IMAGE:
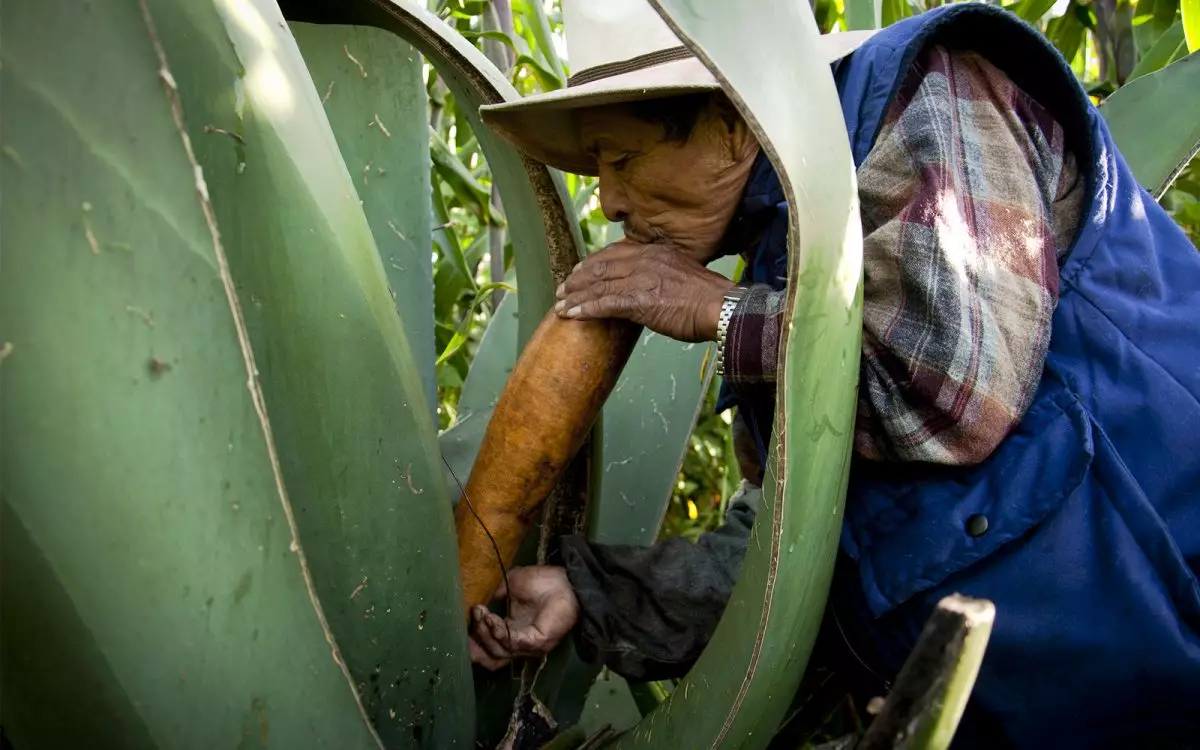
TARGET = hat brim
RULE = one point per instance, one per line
(543, 125)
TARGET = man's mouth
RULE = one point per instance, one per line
(645, 237)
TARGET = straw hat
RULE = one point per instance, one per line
(621, 51)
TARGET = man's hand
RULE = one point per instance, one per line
(542, 610)
(655, 285)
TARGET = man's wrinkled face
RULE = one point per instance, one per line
(668, 192)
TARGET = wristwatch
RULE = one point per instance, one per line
(728, 305)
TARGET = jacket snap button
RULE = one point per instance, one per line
(977, 525)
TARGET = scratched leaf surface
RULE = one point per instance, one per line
(149, 595)
(153, 594)
(379, 120)
(740, 688)
(545, 237)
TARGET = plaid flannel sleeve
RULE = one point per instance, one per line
(968, 199)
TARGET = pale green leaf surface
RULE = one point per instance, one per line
(737, 692)
(380, 124)
(355, 433)
(150, 598)
(1155, 122)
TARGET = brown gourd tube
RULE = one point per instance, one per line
(553, 397)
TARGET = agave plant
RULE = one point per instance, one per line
(226, 509)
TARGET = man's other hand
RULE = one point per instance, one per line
(542, 610)
(655, 285)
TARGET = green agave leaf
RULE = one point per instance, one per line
(183, 473)
(609, 703)
(864, 14)
(1155, 121)
(741, 686)
(544, 235)
(371, 84)
(356, 436)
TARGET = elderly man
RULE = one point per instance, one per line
(1028, 427)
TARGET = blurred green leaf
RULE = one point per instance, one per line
(547, 80)
(1066, 33)
(1190, 11)
(1032, 10)
(864, 14)
(894, 10)
(539, 27)
(1170, 46)
(456, 174)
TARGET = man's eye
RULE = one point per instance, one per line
(621, 162)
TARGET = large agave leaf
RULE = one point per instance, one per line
(738, 691)
(545, 238)
(356, 437)
(205, 368)
(374, 96)
(1155, 121)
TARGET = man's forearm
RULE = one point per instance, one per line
(648, 612)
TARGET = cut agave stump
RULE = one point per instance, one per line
(565, 374)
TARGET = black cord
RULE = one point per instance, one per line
(495, 548)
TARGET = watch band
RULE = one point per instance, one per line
(728, 305)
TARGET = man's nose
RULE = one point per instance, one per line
(613, 200)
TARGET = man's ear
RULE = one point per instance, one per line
(742, 143)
